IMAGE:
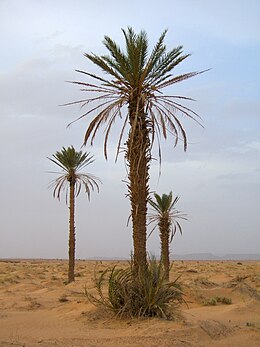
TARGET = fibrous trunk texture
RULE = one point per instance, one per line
(164, 227)
(138, 157)
(72, 238)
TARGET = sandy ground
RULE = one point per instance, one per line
(38, 309)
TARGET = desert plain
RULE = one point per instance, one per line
(38, 308)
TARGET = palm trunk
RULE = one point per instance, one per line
(165, 249)
(72, 238)
(138, 157)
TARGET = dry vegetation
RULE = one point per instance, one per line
(37, 308)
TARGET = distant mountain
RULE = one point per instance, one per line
(210, 256)
(195, 256)
(241, 257)
(107, 258)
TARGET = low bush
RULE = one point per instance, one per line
(146, 294)
(210, 302)
(218, 299)
(224, 300)
(63, 298)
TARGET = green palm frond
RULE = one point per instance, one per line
(134, 74)
(71, 162)
(164, 208)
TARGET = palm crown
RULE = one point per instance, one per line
(165, 208)
(137, 77)
(71, 161)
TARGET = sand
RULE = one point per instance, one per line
(38, 309)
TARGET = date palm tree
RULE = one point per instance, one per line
(166, 216)
(71, 180)
(132, 91)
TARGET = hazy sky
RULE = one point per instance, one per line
(217, 179)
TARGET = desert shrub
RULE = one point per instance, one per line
(239, 278)
(146, 294)
(224, 300)
(211, 302)
(204, 282)
(33, 304)
(218, 299)
(5, 278)
(63, 298)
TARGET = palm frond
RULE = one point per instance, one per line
(164, 209)
(133, 74)
(71, 162)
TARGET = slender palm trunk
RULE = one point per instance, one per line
(165, 249)
(138, 157)
(72, 238)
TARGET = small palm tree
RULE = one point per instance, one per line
(132, 90)
(71, 181)
(166, 216)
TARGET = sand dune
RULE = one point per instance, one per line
(38, 309)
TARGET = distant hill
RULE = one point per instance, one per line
(106, 258)
(195, 256)
(210, 256)
(241, 257)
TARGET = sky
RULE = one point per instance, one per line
(217, 179)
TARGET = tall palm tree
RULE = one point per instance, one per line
(166, 216)
(132, 91)
(71, 180)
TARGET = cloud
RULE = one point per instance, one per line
(229, 21)
(251, 147)
(37, 86)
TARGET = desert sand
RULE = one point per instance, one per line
(38, 309)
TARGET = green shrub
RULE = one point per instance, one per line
(146, 294)
(211, 302)
(224, 300)
(218, 299)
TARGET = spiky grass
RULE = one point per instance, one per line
(146, 294)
